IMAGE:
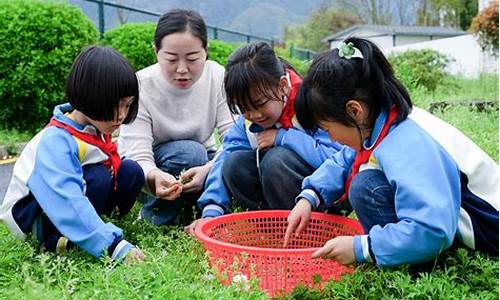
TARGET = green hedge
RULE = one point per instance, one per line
(135, 42)
(420, 68)
(39, 41)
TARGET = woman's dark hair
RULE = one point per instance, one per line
(179, 21)
(332, 81)
(255, 67)
(99, 78)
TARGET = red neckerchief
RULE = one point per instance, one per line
(364, 155)
(106, 145)
(289, 110)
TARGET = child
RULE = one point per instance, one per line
(70, 172)
(266, 154)
(417, 183)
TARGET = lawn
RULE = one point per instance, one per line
(176, 266)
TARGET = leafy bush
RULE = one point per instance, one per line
(39, 42)
(219, 51)
(420, 68)
(485, 26)
(135, 42)
(299, 65)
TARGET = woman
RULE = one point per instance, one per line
(181, 104)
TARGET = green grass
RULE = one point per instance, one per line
(176, 266)
(456, 89)
(10, 137)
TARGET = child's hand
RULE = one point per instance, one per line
(266, 138)
(134, 256)
(340, 249)
(166, 186)
(298, 219)
(193, 179)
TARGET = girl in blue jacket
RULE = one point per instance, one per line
(417, 184)
(266, 153)
(70, 173)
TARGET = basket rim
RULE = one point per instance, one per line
(210, 222)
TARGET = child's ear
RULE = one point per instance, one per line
(284, 84)
(356, 110)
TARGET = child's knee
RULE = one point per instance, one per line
(276, 159)
(98, 178)
(280, 162)
(131, 173)
(232, 166)
(370, 187)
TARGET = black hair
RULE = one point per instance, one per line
(332, 81)
(99, 78)
(253, 66)
(179, 21)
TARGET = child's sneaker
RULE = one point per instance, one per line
(56, 244)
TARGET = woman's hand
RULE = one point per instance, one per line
(164, 185)
(298, 219)
(134, 256)
(193, 179)
(191, 227)
(266, 138)
(340, 249)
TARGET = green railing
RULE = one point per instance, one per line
(213, 32)
(301, 53)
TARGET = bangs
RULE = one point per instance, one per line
(311, 108)
(99, 79)
(243, 80)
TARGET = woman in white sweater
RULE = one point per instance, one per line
(182, 102)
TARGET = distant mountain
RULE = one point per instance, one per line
(255, 17)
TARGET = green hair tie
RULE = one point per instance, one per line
(346, 50)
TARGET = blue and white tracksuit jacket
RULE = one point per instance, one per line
(445, 186)
(50, 167)
(313, 149)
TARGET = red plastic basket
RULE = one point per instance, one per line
(250, 245)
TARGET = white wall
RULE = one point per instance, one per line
(381, 41)
(411, 39)
(469, 59)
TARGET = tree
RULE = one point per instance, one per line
(450, 13)
(322, 22)
(485, 26)
(370, 11)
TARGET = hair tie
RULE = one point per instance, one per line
(348, 50)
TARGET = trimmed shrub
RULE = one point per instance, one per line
(420, 68)
(219, 51)
(39, 42)
(135, 42)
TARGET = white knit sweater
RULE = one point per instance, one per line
(167, 113)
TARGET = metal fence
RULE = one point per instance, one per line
(301, 53)
(216, 33)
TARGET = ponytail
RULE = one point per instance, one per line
(333, 80)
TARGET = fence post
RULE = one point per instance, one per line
(216, 33)
(248, 39)
(272, 43)
(291, 50)
(101, 18)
